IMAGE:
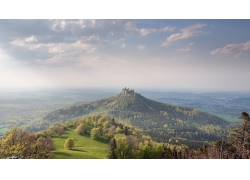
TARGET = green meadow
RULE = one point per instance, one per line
(85, 147)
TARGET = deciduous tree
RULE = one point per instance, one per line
(94, 134)
(81, 129)
(69, 143)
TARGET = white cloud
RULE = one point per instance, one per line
(183, 49)
(43, 39)
(18, 42)
(141, 47)
(30, 39)
(190, 44)
(58, 24)
(185, 33)
(167, 28)
(145, 31)
(130, 26)
(61, 25)
(63, 38)
(55, 53)
(119, 40)
(56, 47)
(123, 45)
(232, 48)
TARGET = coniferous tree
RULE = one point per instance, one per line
(112, 147)
(240, 137)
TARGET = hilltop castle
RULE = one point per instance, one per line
(127, 91)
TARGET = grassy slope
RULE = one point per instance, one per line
(85, 148)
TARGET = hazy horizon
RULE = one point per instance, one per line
(118, 90)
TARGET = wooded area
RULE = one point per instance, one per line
(125, 141)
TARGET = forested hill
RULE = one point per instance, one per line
(167, 123)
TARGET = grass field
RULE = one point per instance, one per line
(85, 148)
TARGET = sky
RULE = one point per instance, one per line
(184, 54)
(163, 53)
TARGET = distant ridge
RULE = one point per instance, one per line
(166, 123)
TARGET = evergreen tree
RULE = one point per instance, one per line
(112, 147)
(240, 137)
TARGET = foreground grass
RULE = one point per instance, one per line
(85, 148)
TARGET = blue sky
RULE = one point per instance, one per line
(147, 53)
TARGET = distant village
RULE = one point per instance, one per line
(127, 91)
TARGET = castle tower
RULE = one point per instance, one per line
(127, 91)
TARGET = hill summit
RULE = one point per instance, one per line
(164, 122)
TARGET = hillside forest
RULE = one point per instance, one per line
(123, 141)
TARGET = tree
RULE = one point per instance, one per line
(69, 143)
(125, 131)
(112, 146)
(146, 152)
(112, 121)
(94, 134)
(60, 131)
(224, 149)
(81, 129)
(125, 146)
(240, 137)
(118, 130)
(202, 151)
(46, 143)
